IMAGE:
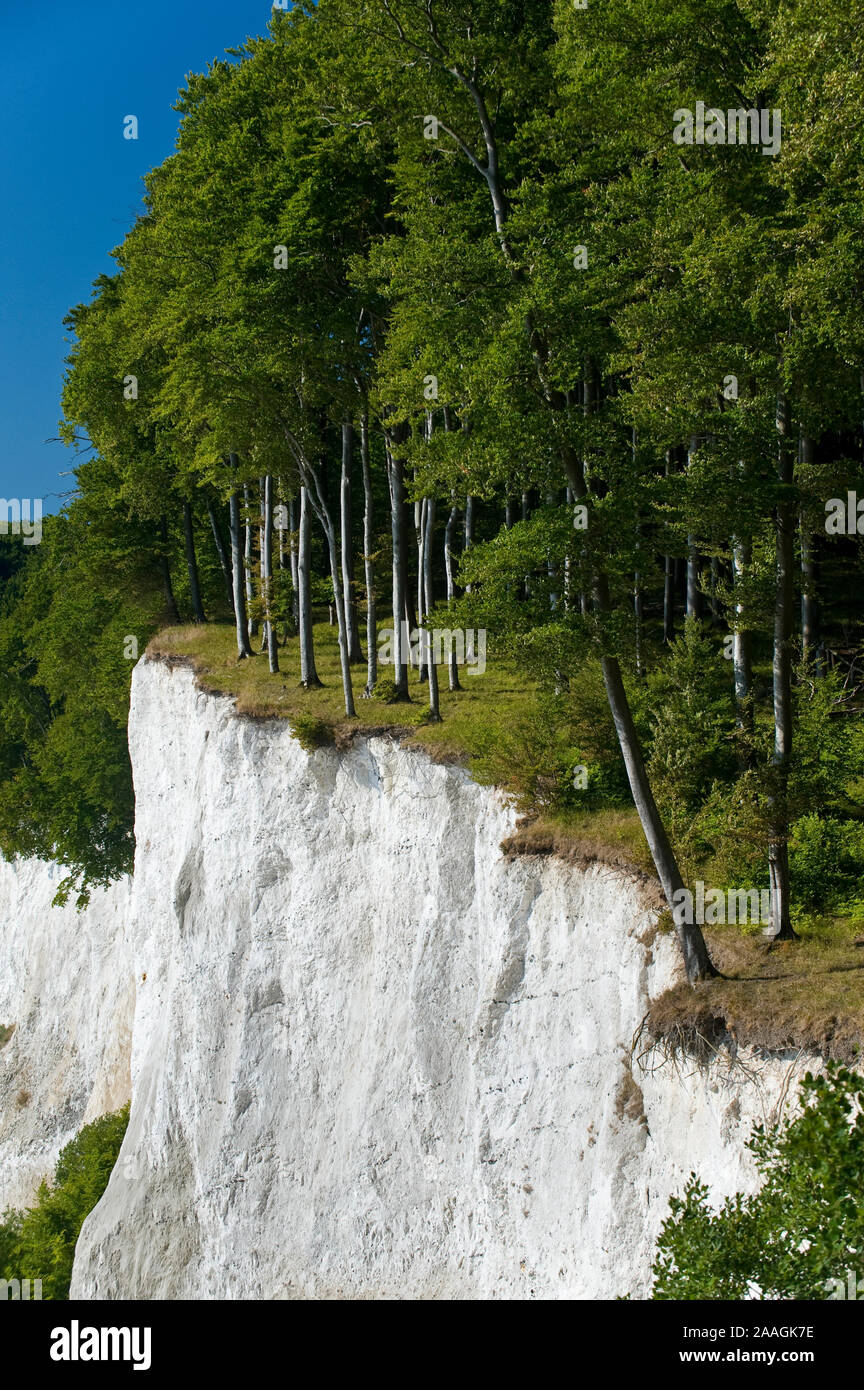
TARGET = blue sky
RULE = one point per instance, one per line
(69, 73)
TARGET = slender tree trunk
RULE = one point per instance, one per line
(165, 570)
(237, 567)
(778, 847)
(192, 565)
(318, 500)
(693, 606)
(247, 553)
(421, 584)
(469, 529)
(368, 563)
(638, 619)
(261, 486)
(449, 541)
(355, 652)
(292, 557)
(509, 513)
(308, 673)
(741, 649)
(429, 604)
(810, 636)
(224, 563)
(697, 962)
(267, 576)
(288, 625)
(396, 480)
(669, 571)
(669, 599)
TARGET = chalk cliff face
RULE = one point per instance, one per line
(67, 998)
(371, 1057)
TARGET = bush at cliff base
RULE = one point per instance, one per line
(39, 1243)
(802, 1234)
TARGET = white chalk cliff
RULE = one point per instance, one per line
(369, 1055)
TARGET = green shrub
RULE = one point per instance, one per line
(802, 1230)
(385, 690)
(311, 732)
(39, 1243)
(826, 859)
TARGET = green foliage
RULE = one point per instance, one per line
(386, 690)
(311, 732)
(39, 1243)
(804, 1227)
(538, 755)
(688, 704)
(826, 858)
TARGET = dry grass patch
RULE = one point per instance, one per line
(777, 996)
(610, 837)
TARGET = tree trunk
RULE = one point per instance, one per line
(192, 565)
(669, 599)
(292, 557)
(429, 603)
(261, 487)
(693, 604)
(697, 962)
(368, 564)
(237, 567)
(449, 541)
(396, 480)
(741, 649)
(247, 553)
(355, 652)
(778, 848)
(308, 674)
(165, 570)
(421, 584)
(318, 500)
(267, 575)
(221, 551)
(638, 621)
(469, 529)
(810, 637)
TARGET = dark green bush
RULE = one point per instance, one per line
(311, 732)
(804, 1228)
(39, 1243)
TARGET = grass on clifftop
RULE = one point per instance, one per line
(775, 995)
(476, 722)
(803, 994)
(499, 694)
